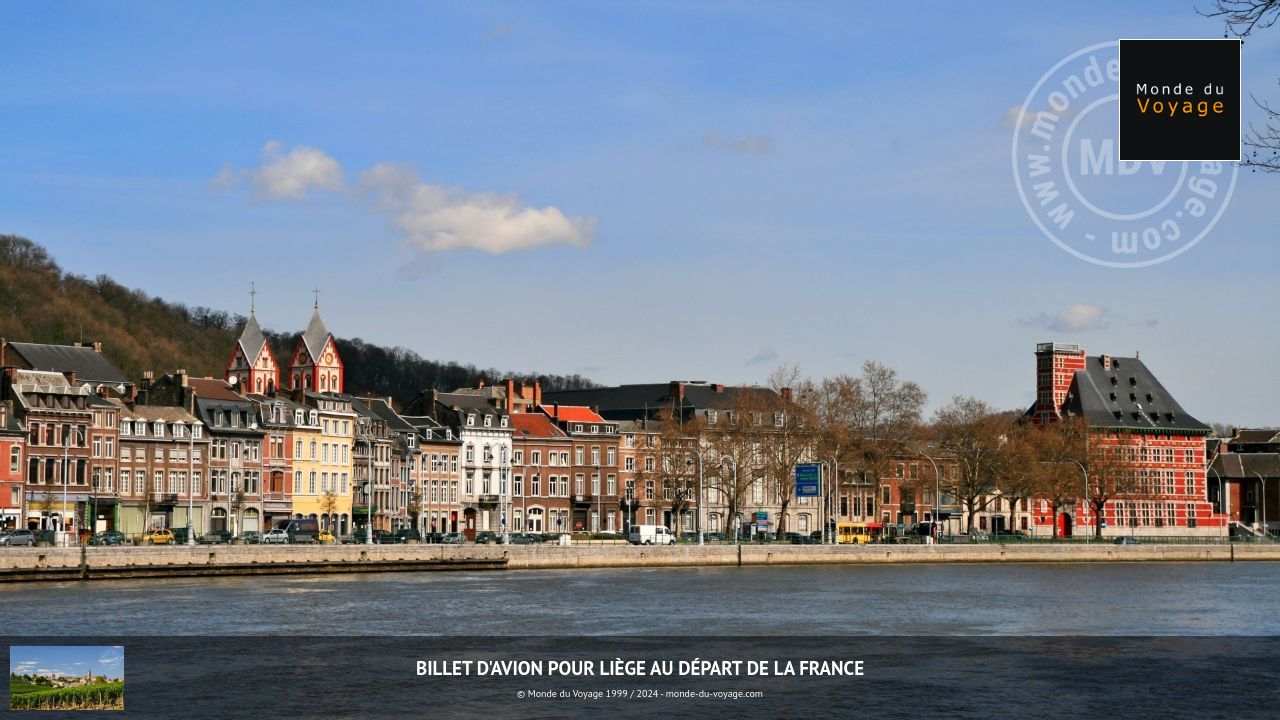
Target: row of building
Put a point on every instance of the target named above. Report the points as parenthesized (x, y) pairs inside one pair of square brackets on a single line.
[(85, 448)]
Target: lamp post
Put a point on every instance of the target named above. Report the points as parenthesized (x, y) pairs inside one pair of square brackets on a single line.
[(1086, 495), (734, 520), (1222, 497), (66, 467), (937, 495), (93, 526), (1263, 482), (367, 486), (701, 527)]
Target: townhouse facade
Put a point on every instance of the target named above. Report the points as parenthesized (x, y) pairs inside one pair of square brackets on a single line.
[(436, 476), (162, 469), (12, 462), (324, 459), (540, 453), (595, 494)]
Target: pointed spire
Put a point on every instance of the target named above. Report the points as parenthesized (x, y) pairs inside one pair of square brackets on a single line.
[(316, 335), (253, 292), (316, 293)]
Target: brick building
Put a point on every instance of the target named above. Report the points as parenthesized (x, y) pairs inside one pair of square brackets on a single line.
[(594, 492), (1162, 447), (540, 453), (12, 443)]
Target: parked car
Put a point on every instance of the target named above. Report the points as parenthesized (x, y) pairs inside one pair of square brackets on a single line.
[(651, 535), (18, 537), (799, 539), (379, 536), (250, 537), (433, 538), (325, 537), (161, 536), (108, 537), (300, 530), (453, 539), (216, 537), (1128, 540), (487, 538), (277, 536), (407, 535), (525, 539)]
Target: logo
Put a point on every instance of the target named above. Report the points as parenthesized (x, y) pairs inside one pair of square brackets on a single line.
[(1103, 210)]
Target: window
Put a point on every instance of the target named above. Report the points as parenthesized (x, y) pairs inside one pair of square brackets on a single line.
[(629, 463), (611, 456), (311, 484), (535, 485), (15, 460), (579, 484)]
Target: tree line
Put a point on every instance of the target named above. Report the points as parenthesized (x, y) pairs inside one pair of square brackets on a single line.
[(41, 303), (867, 425)]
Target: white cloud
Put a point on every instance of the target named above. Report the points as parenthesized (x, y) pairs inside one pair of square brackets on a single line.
[(285, 175), (1077, 318), (435, 218), (749, 145), (500, 31), (767, 355)]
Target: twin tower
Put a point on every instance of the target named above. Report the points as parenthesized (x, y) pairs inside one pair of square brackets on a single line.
[(315, 365)]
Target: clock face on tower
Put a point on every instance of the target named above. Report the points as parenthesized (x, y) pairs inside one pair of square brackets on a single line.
[(328, 358)]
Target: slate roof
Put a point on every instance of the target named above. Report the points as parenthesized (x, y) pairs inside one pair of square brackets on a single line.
[(1244, 465), (1259, 437), (89, 365), (377, 407), (626, 402), (315, 336), (252, 338), (1126, 396), (473, 403)]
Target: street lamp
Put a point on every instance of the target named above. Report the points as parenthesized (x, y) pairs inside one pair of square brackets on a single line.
[(368, 512), (735, 520), (937, 496), (66, 447), (1263, 482), (1222, 497)]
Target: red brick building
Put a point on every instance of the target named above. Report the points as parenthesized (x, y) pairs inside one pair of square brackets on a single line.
[(540, 453), (12, 442), (594, 490), (1160, 444)]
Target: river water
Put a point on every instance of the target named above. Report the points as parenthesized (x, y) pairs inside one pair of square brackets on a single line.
[(929, 600)]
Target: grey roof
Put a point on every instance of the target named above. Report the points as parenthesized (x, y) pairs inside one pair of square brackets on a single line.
[(315, 335), (1127, 396), (251, 338), (89, 365), (1244, 465), (627, 402), (1264, 436), (381, 410), (474, 403)]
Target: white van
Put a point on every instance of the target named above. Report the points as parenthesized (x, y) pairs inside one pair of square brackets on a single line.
[(651, 535)]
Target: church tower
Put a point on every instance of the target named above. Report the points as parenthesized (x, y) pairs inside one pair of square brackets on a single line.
[(253, 367), (316, 365)]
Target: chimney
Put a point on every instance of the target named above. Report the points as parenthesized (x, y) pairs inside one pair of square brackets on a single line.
[(481, 383), (555, 411), (182, 377), (676, 390), (786, 394), (97, 347), (718, 388), (537, 392), (71, 376), (1106, 362), (511, 394)]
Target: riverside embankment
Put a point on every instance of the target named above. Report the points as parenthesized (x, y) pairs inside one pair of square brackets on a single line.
[(24, 564)]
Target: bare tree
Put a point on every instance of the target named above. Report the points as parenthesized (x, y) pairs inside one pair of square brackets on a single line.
[(1111, 475), (971, 434), (786, 435), (884, 416), (734, 457), (1241, 18)]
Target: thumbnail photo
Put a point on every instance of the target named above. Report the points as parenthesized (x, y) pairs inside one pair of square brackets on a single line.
[(66, 677)]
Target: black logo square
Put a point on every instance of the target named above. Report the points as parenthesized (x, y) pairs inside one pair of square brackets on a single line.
[(1180, 100)]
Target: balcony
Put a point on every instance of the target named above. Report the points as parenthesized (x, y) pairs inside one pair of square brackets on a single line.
[(487, 499)]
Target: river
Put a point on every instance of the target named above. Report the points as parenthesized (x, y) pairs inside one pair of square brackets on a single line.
[(928, 600)]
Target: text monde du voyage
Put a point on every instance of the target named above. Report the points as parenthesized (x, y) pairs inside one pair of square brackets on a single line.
[(1179, 99), (619, 667)]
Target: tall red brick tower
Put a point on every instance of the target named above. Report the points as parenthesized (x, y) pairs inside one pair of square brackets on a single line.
[(1056, 365)]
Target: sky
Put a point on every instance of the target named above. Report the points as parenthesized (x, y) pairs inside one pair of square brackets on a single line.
[(633, 192), (68, 660)]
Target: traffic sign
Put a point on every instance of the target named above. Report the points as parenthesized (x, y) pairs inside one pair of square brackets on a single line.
[(808, 480)]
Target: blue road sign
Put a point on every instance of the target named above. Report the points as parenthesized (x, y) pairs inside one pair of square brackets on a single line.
[(808, 480)]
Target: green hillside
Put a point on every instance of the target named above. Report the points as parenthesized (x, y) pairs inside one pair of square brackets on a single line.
[(41, 303)]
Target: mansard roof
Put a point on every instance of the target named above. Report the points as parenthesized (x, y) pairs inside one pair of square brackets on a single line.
[(1123, 393)]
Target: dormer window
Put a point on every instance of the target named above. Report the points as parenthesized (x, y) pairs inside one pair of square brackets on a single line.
[(595, 429), (504, 422), (126, 428), (488, 420), (577, 428), (777, 419), (711, 417), (157, 428), (471, 420), (197, 431), (179, 430)]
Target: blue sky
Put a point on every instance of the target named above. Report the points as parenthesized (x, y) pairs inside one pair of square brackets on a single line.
[(70, 660), (648, 191)]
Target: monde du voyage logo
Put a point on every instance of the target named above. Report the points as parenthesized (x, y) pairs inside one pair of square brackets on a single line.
[(1124, 153)]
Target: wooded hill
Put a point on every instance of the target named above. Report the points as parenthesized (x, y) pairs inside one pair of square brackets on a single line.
[(41, 303)]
